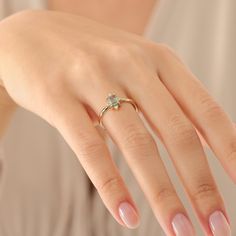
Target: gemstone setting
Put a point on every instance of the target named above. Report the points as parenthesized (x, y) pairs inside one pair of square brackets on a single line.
[(113, 101)]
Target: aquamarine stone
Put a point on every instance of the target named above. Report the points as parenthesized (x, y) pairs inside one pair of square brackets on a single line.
[(113, 100)]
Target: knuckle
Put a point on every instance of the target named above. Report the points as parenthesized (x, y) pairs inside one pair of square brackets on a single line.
[(137, 139), (82, 63), (110, 185), (165, 50), (84, 68), (90, 148), (231, 154), (181, 131), (167, 54), (163, 194), (136, 49), (210, 108), (203, 191), (120, 52)]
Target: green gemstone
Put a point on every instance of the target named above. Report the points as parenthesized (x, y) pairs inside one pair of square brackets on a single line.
[(113, 100)]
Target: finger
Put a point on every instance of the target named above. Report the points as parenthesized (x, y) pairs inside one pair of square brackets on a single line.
[(74, 124), (209, 118), (203, 141), (140, 150), (182, 143)]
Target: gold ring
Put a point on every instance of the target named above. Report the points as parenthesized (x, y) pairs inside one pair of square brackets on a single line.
[(114, 102)]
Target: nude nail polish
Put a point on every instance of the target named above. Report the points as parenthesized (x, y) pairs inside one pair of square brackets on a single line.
[(219, 225), (129, 215), (182, 226)]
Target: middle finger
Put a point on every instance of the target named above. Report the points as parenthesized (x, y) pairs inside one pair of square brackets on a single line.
[(183, 146)]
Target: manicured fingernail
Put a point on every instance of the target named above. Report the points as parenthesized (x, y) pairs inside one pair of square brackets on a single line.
[(182, 226), (129, 215), (219, 225)]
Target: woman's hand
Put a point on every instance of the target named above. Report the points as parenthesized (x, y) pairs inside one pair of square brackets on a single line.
[(62, 67)]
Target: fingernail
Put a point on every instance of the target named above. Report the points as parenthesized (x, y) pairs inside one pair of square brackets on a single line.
[(182, 226), (129, 215), (219, 225)]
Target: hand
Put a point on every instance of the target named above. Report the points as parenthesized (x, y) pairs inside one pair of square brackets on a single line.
[(62, 67)]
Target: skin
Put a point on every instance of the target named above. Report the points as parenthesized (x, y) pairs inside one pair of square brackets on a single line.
[(135, 14), (77, 63), (7, 108)]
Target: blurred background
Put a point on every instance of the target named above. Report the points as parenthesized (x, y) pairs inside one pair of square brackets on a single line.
[(44, 188)]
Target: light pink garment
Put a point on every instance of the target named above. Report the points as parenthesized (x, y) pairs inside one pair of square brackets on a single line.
[(47, 193)]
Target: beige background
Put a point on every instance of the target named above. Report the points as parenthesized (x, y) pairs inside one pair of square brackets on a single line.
[(45, 191)]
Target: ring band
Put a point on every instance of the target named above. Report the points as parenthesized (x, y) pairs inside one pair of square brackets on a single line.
[(114, 102)]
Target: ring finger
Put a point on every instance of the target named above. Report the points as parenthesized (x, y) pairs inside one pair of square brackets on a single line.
[(139, 148)]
